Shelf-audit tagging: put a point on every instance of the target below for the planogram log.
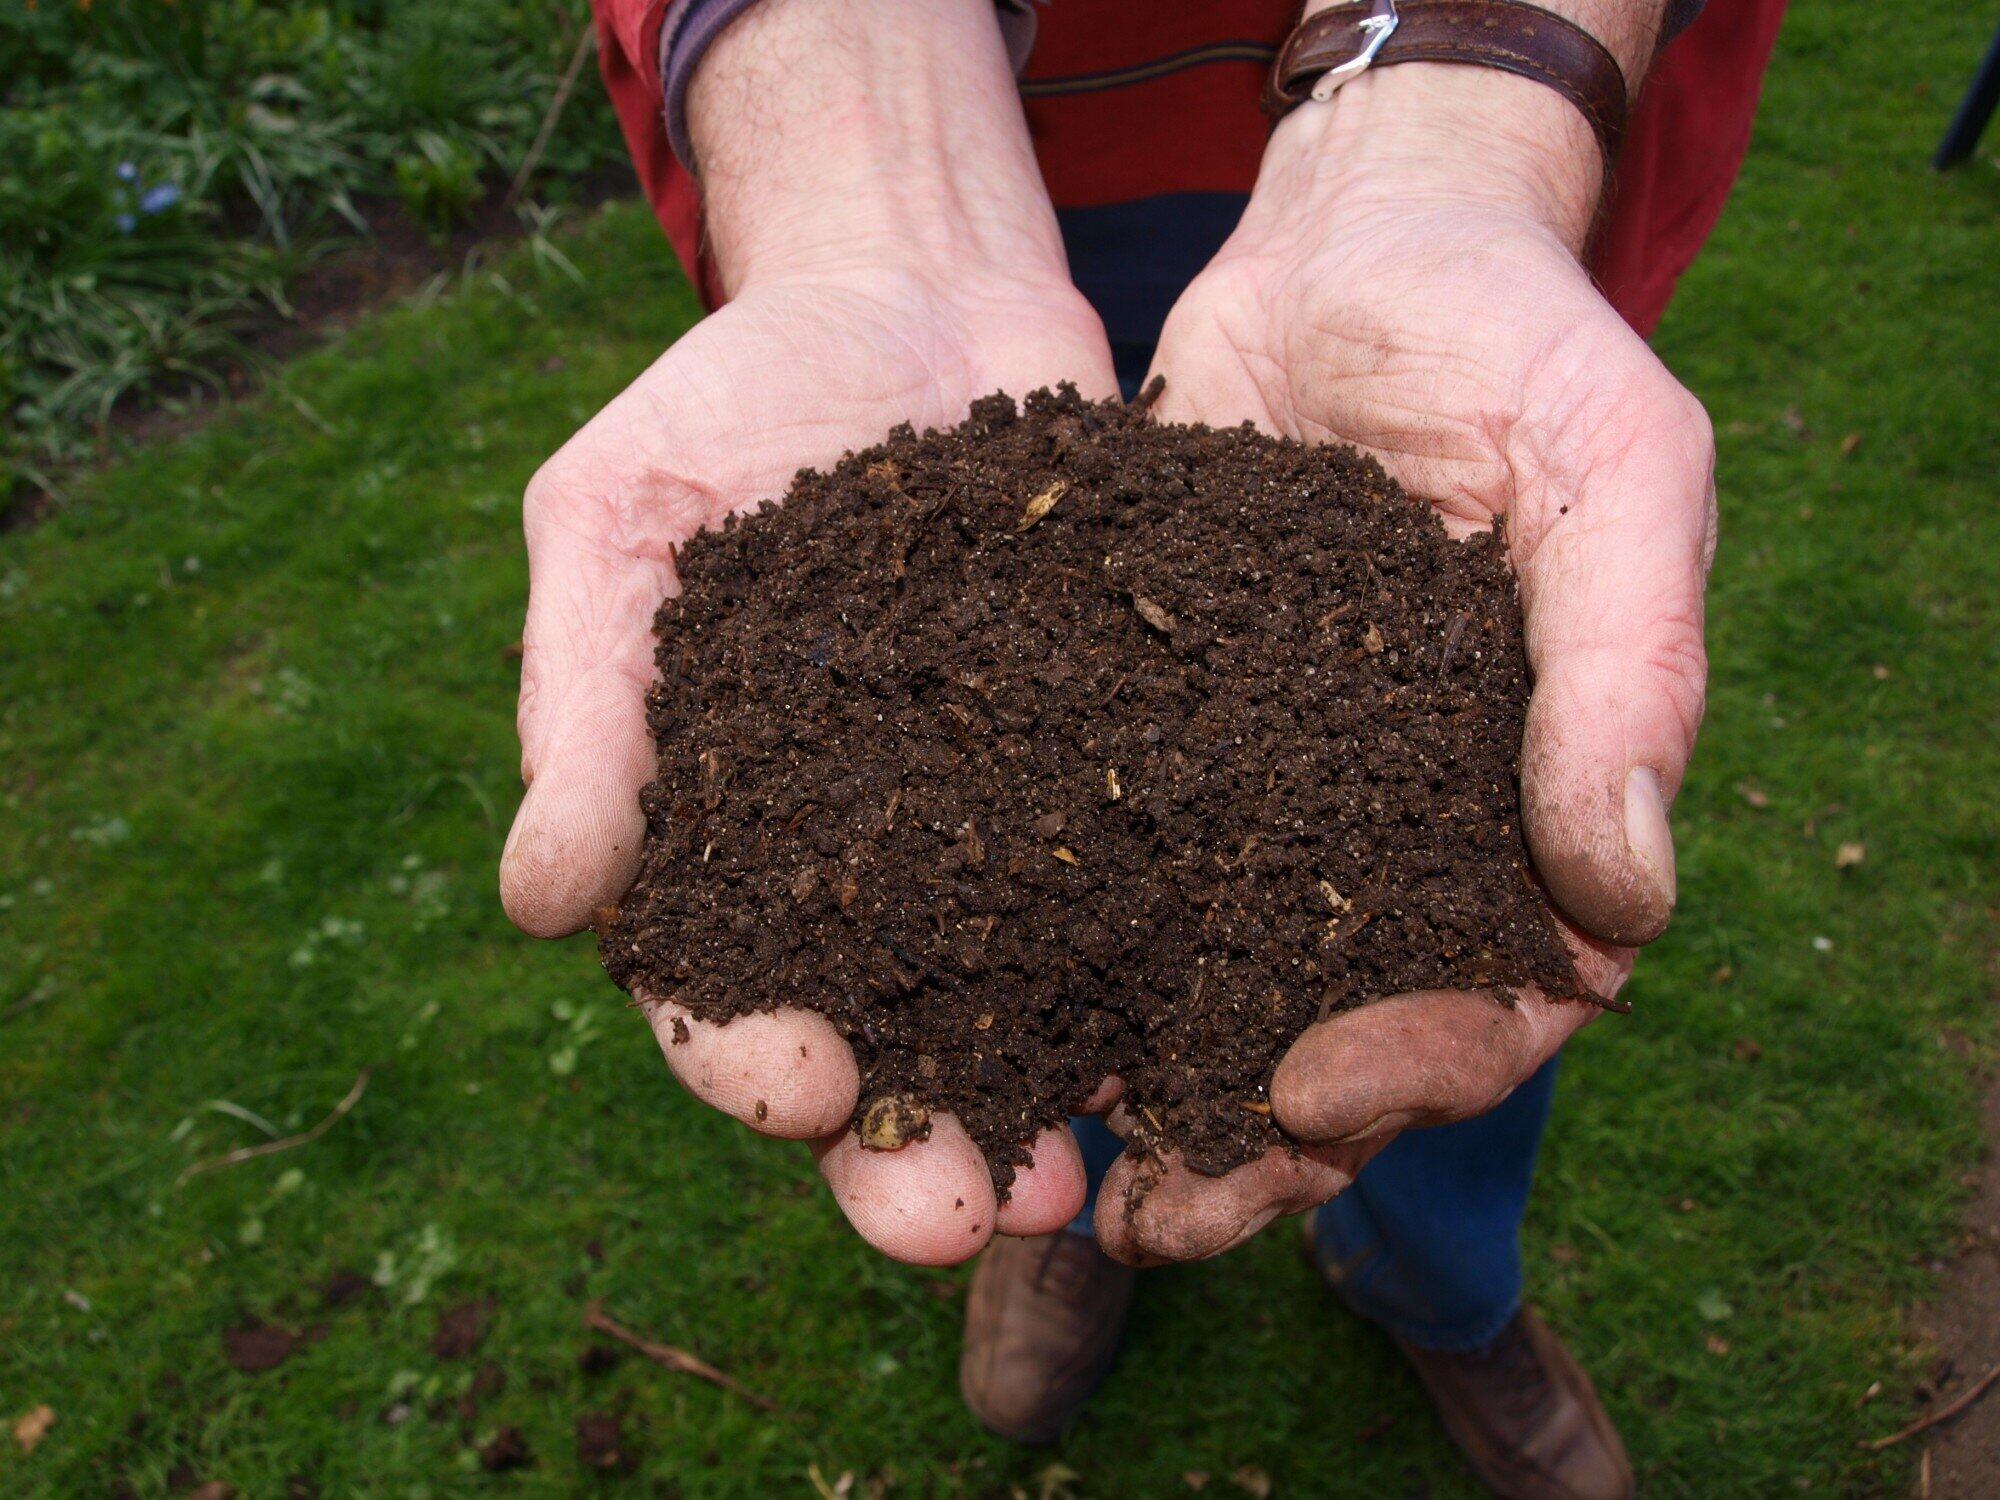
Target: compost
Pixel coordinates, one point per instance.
(1067, 743)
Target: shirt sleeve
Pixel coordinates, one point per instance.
(628, 33)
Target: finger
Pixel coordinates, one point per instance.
(1151, 1213)
(586, 752)
(929, 1204)
(1415, 1060)
(601, 519)
(1108, 1094)
(1048, 1192)
(1611, 581)
(787, 1073)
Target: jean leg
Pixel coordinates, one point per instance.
(1131, 362)
(1100, 1149)
(1427, 1242)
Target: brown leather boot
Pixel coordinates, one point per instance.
(1526, 1416)
(1522, 1410)
(1042, 1320)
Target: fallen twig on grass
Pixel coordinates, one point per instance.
(597, 1319)
(271, 1148)
(557, 104)
(39, 996)
(1943, 1414)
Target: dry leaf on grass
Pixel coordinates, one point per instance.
(32, 1426)
(256, 1347)
(462, 1328)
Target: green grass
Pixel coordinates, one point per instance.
(256, 760)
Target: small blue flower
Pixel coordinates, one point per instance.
(126, 223)
(159, 199)
(127, 172)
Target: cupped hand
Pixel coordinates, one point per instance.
(789, 374)
(1454, 335)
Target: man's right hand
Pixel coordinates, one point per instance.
(877, 216)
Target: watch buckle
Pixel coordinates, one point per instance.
(1377, 27)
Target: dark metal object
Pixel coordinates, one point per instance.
(1974, 113)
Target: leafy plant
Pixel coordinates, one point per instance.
(438, 182)
(169, 168)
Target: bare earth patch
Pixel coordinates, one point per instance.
(1963, 1460)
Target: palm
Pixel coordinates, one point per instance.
(775, 381)
(794, 376)
(1464, 348)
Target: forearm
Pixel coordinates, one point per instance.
(836, 132)
(1413, 130)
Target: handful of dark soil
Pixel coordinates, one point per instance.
(1066, 743)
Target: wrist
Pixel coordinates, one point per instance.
(1418, 136)
(886, 136)
(1629, 29)
(1418, 133)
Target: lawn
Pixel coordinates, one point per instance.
(256, 760)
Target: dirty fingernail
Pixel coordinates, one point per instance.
(1646, 830)
(1389, 1124)
(1259, 1222)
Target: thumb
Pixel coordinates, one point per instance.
(585, 749)
(1612, 591)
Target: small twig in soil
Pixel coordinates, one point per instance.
(679, 1360)
(272, 1148)
(1451, 642)
(557, 104)
(1936, 1418)
(1611, 1003)
(1042, 504)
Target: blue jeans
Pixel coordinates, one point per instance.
(1427, 1242)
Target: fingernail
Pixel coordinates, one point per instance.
(1395, 1120)
(1646, 830)
(1258, 1223)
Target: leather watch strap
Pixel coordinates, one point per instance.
(1507, 34)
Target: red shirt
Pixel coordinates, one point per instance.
(1130, 100)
